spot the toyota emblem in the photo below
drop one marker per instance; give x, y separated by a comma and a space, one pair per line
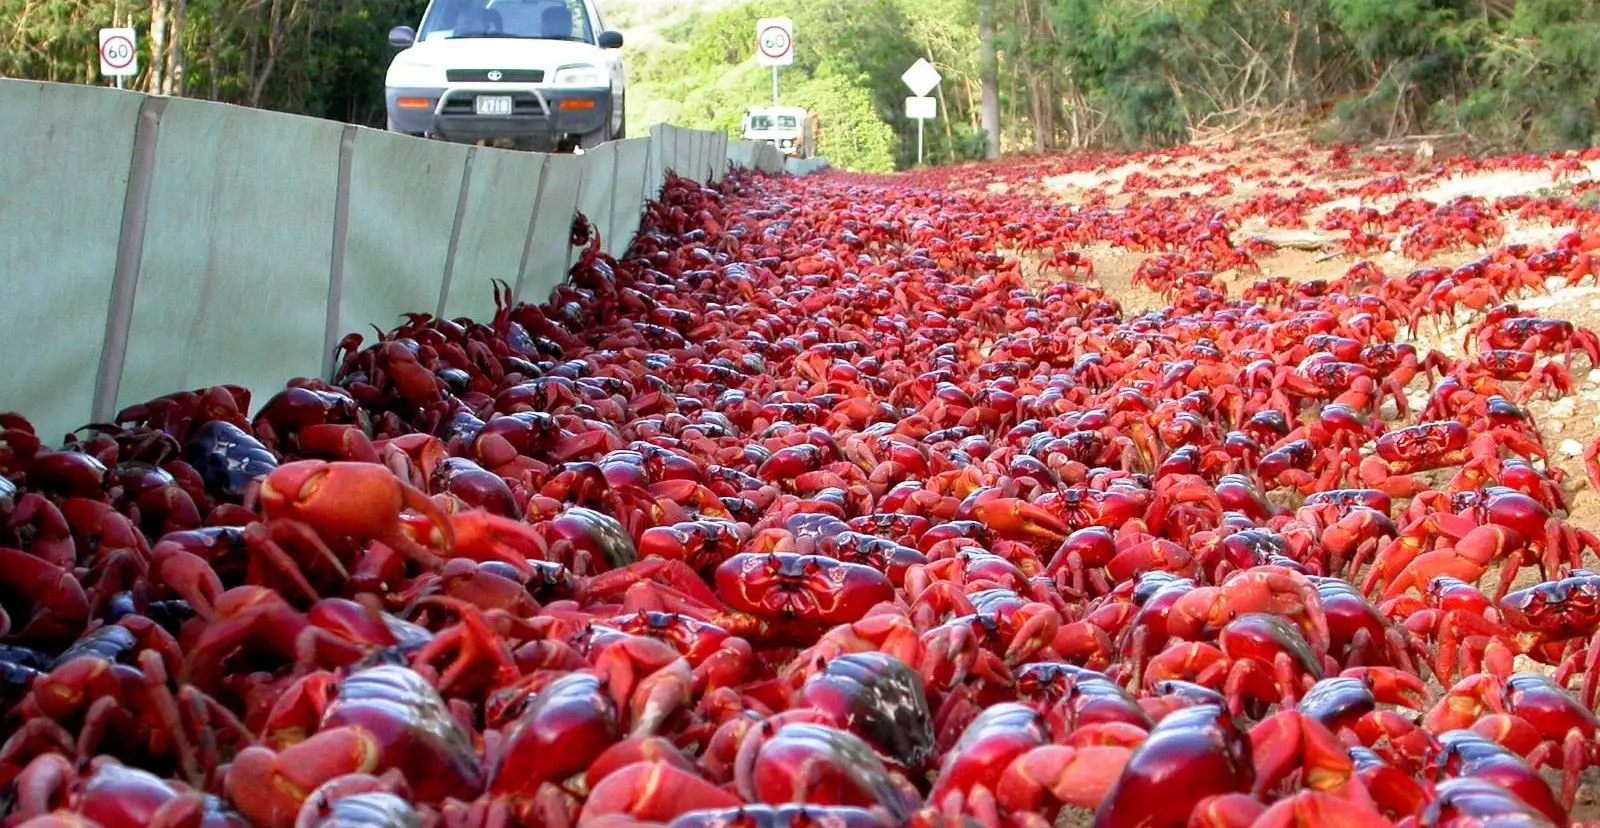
496, 74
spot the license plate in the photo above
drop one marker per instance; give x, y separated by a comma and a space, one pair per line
494, 104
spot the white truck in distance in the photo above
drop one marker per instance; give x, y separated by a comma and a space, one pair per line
791, 129
543, 75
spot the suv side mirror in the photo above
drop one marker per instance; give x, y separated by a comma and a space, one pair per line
402, 37
609, 40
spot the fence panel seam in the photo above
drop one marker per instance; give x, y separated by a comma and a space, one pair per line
130, 253
533, 222
455, 232
341, 245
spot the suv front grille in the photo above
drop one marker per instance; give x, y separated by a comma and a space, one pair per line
506, 76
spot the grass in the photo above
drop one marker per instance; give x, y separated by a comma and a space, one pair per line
643, 24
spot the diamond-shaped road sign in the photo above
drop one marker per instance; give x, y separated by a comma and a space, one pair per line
922, 77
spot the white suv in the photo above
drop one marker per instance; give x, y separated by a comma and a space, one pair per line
539, 74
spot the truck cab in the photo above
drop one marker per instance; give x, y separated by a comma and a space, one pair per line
544, 75
791, 129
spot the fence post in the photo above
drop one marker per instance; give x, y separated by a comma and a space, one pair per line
130, 252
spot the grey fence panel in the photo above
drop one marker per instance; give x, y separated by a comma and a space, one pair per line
594, 196
629, 190
403, 195
152, 245
233, 284
548, 252
719, 156
494, 233
61, 218
692, 154
657, 176
665, 138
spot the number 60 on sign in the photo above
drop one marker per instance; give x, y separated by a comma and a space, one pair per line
775, 41
119, 57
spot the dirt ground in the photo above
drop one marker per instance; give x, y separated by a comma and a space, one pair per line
1272, 170
1569, 424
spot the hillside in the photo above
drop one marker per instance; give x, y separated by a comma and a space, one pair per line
643, 24
642, 21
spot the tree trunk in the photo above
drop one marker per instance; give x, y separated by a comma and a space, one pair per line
258, 81
1041, 120
1049, 112
944, 112
158, 44
949, 130
213, 66
176, 64
989, 73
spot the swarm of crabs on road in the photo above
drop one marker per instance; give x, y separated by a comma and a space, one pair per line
849, 501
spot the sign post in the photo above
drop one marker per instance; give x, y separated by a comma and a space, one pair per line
119, 57
921, 79
921, 109
775, 47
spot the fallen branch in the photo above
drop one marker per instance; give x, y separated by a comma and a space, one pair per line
1308, 245
1409, 142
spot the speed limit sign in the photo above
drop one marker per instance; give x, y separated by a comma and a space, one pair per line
775, 41
119, 58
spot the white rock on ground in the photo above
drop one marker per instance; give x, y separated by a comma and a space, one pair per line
1571, 448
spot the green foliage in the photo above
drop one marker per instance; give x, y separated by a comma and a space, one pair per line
849, 54
853, 136
1073, 73
331, 55
1383, 29
1143, 73
1541, 77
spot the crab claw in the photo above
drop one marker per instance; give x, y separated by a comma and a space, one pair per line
1077, 777
652, 791
952, 652
1227, 811
483, 536
189, 577
58, 608
1289, 741
1392, 686
1017, 519
659, 696
1319, 808
346, 499
269, 788
1466, 702
633, 751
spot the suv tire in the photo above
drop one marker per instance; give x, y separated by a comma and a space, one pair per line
590, 140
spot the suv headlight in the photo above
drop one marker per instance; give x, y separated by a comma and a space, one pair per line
405, 74
579, 75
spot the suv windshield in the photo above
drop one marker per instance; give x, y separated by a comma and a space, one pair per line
534, 19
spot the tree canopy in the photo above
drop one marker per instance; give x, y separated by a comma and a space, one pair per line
1073, 74
1078, 74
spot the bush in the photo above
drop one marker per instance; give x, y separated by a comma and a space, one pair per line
852, 136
